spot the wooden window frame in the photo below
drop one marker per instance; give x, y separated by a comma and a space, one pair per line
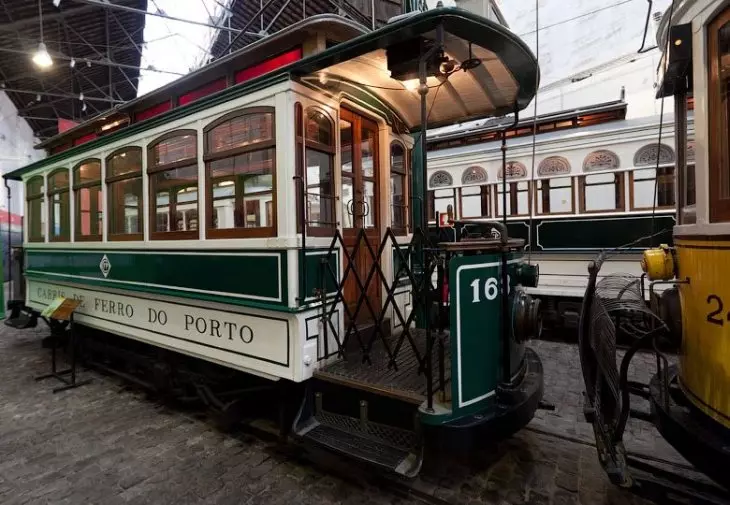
619, 179
31, 197
77, 187
546, 197
400, 230
154, 169
260, 232
431, 195
122, 237
64, 237
719, 208
302, 143
488, 197
512, 192
632, 205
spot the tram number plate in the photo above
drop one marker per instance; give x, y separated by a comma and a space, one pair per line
712, 317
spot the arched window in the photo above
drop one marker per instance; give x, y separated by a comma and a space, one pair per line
124, 187
172, 167
643, 181
88, 200
442, 201
241, 168
475, 196
36, 210
399, 186
318, 147
59, 205
648, 155
552, 166
601, 160
440, 179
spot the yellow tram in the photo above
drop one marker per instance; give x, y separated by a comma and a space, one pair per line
690, 400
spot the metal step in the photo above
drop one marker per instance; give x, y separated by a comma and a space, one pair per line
386, 447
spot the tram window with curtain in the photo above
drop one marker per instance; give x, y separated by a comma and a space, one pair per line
35, 198
59, 205
518, 198
719, 116
475, 201
172, 168
602, 192
554, 196
642, 188
399, 187
241, 167
88, 200
124, 188
319, 159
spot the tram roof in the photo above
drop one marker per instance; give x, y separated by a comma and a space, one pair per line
506, 78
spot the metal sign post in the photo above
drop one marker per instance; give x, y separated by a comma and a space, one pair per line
62, 309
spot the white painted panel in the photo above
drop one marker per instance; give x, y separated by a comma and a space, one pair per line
250, 342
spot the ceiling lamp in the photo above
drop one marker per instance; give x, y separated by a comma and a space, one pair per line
72, 63
41, 57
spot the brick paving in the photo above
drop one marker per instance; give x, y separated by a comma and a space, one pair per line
106, 443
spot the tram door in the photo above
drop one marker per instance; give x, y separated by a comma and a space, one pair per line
360, 196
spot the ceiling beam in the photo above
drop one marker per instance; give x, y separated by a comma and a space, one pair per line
92, 61
62, 14
61, 95
109, 5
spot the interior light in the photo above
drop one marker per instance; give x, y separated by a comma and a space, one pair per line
678, 42
81, 97
72, 63
225, 183
322, 78
41, 56
109, 126
83, 107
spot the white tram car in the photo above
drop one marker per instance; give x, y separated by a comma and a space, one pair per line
261, 214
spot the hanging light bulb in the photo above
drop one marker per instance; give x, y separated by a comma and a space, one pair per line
38, 98
83, 107
81, 97
88, 64
72, 63
41, 57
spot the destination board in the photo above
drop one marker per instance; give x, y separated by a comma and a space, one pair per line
244, 340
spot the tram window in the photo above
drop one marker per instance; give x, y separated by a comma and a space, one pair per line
518, 199
554, 196
719, 116
642, 188
399, 186
124, 187
172, 165
602, 192
34, 193
59, 205
442, 201
240, 164
475, 201
690, 189
88, 200
319, 153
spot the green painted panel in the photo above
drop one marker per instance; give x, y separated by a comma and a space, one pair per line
311, 282
254, 275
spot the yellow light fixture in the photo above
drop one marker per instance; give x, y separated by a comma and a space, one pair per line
41, 57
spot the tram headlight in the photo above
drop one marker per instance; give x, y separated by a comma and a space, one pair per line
526, 317
658, 263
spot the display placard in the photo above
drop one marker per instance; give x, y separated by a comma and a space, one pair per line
61, 308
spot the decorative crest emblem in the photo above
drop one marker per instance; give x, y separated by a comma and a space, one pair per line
105, 266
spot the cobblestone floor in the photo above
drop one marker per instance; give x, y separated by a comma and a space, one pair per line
107, 444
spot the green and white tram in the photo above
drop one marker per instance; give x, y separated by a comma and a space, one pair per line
264, 214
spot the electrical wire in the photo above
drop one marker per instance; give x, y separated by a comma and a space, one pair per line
659, 141
577, 17
534, 132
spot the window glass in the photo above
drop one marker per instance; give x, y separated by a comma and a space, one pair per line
444, 202
554, 196
518, 199
318, 128
125, 206
252, 176
643, 191
691, 197
88, 203
174, 149
88, 171
126, 162
475, 201
36, 209
398, 183
320, 189
602, 192
241, 131
58, 180
59, 206
176, 197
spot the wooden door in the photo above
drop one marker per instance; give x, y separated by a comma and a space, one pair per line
360, 197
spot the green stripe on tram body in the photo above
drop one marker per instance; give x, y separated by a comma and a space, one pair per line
254, 277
